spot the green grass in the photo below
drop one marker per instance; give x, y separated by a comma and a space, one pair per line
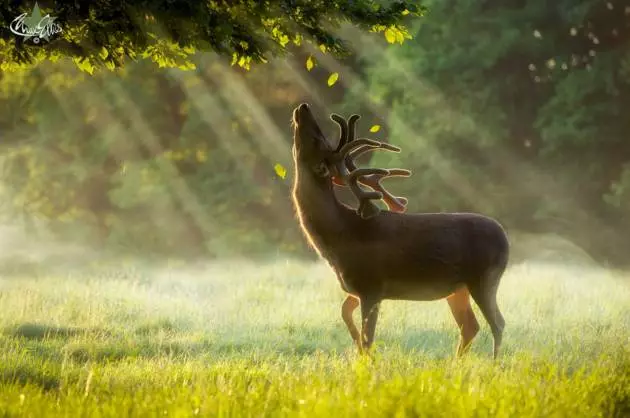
244, 339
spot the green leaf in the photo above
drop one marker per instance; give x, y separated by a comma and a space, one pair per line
187, 65
84, 65
390, 35
400, 37
280, 170
333, 79
375, 128
223, 38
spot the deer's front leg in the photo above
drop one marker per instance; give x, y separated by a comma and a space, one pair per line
459, 302
369, 316
347, 308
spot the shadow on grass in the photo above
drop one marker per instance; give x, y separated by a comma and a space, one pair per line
256, 343
32, 331
25, 375
153, 327
165, 339
621, 407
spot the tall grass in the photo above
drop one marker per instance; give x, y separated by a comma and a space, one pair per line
243, 339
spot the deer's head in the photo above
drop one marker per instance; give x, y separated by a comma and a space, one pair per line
311, 149
335, 165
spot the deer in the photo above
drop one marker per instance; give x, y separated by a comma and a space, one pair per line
380, 255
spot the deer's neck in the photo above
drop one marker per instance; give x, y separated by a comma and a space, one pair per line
321, 216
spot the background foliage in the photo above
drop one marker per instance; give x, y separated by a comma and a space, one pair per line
514, 109
517, 110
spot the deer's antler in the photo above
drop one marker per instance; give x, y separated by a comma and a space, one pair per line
346, 172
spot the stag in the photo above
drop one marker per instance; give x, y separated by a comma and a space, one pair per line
390, 255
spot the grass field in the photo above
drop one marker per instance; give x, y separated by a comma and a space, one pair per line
244, 339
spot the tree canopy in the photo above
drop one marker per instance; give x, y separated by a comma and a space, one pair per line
107, 33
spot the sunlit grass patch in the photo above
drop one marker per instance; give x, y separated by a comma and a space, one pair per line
248, 339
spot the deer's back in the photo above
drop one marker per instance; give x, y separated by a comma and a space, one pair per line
420, 256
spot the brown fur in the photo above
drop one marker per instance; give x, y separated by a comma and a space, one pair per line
397, 256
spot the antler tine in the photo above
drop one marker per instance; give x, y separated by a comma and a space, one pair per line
341, 154
388, 147
394, 203
368, 147
361, 172
352, 122
367, 209
343, 130
352, 125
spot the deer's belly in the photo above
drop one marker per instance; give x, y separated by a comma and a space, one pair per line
346, 285
400, 290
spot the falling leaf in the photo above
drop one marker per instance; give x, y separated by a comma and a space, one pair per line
375, 128
280, 170
333, 79
405, 12
310, 63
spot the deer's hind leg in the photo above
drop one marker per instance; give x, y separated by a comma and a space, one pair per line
459, 302
485, 296
347, 308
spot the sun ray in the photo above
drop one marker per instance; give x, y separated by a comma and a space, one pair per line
518, 172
